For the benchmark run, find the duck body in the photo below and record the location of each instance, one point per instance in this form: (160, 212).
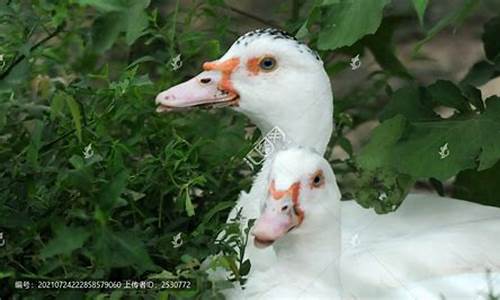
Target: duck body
(421, 251)
(403, 255)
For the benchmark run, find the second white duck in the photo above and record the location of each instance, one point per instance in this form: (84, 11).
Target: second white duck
(301, 220)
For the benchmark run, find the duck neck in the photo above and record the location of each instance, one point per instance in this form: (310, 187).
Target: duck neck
(313, 247)
(312, 129)
(305, 115)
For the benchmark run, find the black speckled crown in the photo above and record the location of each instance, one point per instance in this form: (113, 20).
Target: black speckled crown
(275, 34)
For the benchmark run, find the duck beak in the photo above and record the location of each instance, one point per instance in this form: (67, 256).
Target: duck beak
(212, 88)
(281, 214)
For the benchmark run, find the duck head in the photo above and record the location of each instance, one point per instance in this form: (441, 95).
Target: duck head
(302, 203)
(270, 77)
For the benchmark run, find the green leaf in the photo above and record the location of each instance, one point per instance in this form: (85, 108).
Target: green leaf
(479, 74)
(107, 6)
(189, 205)
(420, 6)
(346, 145)
(447, 94)
(455, 18)
(56, 105)
(313, 16)
(438, 148)
(245, 267)
(6, 274)
(479, 186)
(382, 48)
(348, 21)
(409, 102)
(122, 249)
(468, 141)
(111, 192)
(490, 153)
(474, 95)
(74, 109)
(17, 76)
(326, 2)
(130, 18)
(378, 152)
(382, 189)
(36, 142)
(67, 239)
(216, 209)
(106, 30)
(491, 40)
(136, 20)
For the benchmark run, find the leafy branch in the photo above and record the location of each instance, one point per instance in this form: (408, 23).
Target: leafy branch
(20, 58)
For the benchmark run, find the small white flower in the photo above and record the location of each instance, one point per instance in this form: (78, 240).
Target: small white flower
(176, 62)
(197, 192)
(2, 61)
(444, 152)
(177, 240)
(355, 63)
(88, 152)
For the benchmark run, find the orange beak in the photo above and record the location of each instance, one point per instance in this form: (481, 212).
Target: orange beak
(226, 68)
(281, 214)
(211, 88)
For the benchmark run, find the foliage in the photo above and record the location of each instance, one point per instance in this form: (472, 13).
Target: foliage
(96, 186)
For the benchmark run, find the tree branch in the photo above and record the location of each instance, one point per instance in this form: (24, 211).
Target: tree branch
(252, 16)
(38, 44)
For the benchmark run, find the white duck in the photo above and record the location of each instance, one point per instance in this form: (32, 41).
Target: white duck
(274, 80)
(277, 81)
(301, 219)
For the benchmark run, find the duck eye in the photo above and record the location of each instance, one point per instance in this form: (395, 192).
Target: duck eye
(267, 63)
(317, 180)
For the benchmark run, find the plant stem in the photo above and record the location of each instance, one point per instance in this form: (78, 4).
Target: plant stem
(22, 56)
(252, 16)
